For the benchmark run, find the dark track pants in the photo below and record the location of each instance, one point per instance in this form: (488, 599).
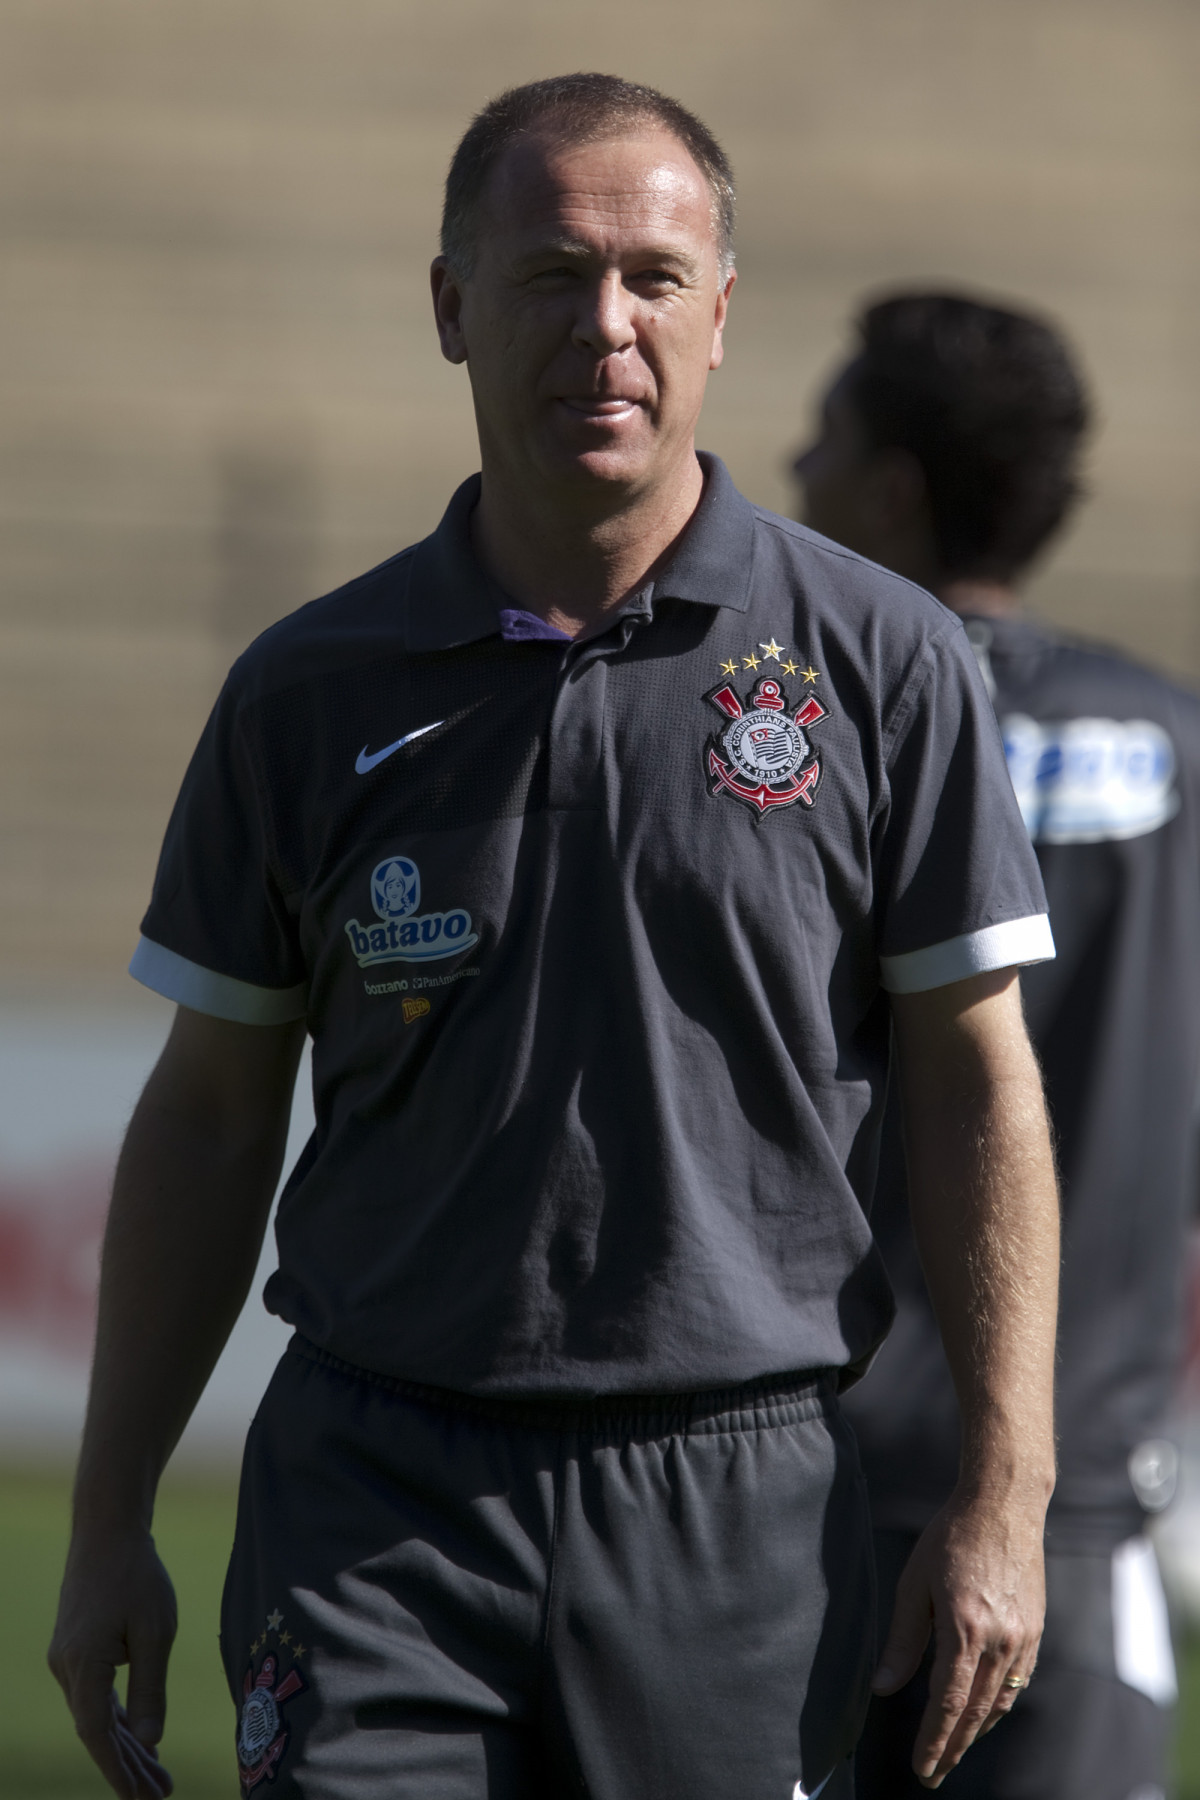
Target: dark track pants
(1077, 1733)
(433, 1598)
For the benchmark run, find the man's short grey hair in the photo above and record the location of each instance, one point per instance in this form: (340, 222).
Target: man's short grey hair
(575, 109)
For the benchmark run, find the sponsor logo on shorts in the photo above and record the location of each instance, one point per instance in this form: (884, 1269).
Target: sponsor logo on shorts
(404, 934)
(262, 1735)
(763, 757)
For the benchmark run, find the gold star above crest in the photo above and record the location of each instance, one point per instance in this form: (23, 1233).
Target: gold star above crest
(285, 1637)
(751, 661)
(791, 668)
(274, 1620)
(298, 1652)
(255, 1646)
(809, 674)
(772, 649)
(729, 668)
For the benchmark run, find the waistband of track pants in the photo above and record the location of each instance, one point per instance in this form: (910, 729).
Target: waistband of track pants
(766, 1402)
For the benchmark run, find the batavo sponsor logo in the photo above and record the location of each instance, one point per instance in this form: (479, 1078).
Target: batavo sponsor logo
(404, 934)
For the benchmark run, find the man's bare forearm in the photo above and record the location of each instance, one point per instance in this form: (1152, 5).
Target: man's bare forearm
(190, 1201)
(985, 1216)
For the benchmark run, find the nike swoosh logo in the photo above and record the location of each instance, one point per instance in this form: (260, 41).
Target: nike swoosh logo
(366, 763)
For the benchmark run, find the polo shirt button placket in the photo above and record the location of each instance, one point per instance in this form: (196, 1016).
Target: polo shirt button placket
(575, 732)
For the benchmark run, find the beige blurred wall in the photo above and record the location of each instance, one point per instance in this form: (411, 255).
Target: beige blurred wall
(221, 391)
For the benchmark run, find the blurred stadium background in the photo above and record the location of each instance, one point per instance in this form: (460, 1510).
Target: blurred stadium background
(221, 396)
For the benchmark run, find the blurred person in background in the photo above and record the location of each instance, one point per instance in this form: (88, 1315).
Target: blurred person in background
(551, 1492)
(949, 451)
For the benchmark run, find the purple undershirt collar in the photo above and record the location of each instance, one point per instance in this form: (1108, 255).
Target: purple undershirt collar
(520, 627)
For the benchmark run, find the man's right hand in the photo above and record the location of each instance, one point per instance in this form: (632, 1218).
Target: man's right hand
(117, 1606)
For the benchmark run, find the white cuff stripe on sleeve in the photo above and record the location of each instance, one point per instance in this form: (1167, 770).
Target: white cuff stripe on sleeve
(1007, 946)
(221, 996)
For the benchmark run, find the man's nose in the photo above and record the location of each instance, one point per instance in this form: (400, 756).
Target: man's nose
(604, 323)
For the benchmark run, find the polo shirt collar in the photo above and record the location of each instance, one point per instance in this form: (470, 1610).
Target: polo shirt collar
(452, 600)
(713, 564)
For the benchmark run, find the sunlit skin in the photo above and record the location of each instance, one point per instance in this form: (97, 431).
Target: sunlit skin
(589, 324)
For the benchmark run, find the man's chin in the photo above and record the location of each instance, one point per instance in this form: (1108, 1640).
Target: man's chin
(618, 467)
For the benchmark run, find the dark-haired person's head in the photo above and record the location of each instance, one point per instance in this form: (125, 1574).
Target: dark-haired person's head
(576, 110)
(949, 447)
(586, 264)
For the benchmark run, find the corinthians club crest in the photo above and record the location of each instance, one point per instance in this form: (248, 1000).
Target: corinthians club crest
(262, 1734)
(763, 756)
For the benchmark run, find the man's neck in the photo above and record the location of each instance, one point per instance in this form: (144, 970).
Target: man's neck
(574, 563)
(979, 599)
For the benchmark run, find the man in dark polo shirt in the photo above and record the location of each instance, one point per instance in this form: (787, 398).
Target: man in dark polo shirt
(600, 842)
(950, 451)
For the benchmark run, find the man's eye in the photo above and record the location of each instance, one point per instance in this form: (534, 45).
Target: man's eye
(658, 278)
(547, 277)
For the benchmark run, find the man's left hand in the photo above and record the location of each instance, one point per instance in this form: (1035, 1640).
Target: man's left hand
(977, 1581)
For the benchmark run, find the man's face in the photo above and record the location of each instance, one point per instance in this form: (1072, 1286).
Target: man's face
(593, 314)
(835, 473)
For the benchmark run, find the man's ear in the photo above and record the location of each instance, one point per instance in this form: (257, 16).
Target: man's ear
(447, 310)
(718, 349)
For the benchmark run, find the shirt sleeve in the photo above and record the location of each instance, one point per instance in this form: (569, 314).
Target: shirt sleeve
(958, 890)
(219, 936)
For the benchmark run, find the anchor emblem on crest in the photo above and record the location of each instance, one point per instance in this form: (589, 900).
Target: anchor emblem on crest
(763, 756)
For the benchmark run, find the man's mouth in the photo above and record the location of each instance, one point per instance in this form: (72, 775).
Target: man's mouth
(589, 407)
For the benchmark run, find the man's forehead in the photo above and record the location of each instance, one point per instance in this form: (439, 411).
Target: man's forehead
(546, 185)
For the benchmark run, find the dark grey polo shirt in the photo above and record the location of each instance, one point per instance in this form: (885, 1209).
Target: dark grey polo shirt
(592, 940)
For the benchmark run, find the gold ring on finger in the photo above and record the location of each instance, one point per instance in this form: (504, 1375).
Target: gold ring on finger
(1015, 1681)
